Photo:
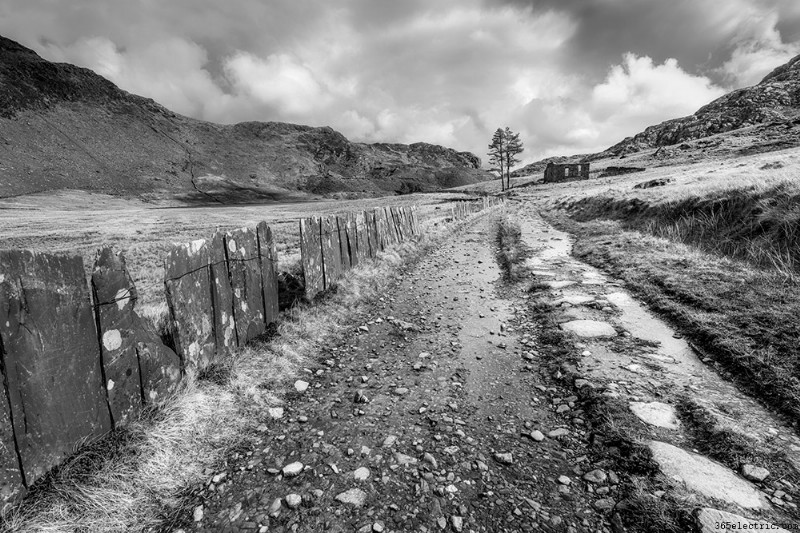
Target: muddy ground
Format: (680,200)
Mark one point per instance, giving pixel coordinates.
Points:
(458,404)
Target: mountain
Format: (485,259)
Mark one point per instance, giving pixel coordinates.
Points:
(65,127)
(774,102)
(755,119)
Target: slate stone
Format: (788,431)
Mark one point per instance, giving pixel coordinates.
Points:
(187,280)
(311,254)
(382,225)
(11,486)
(115,297)
(352,239)
(589,329)
(656,414)
(344,243)
(331,251)
(394,235)
(415,220)
(51,358)
(362,232)
(159,366)
(269,272)
(704,476)
(394,213)
(372,233)
(225,329)
(244,270)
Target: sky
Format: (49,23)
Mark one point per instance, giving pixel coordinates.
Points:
(572,76)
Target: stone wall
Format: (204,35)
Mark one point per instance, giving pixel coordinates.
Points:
(78,361)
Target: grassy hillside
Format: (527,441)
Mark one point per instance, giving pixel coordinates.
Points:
(65,127)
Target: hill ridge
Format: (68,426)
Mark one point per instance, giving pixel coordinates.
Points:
(66,127)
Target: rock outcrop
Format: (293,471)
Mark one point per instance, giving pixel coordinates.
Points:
(65,127)
(776,100)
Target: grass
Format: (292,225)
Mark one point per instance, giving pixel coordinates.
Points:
(81,223)
(511,250)
(740,315)
(137,479)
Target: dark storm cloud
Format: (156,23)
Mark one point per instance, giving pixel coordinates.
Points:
(703,35)
(571,75)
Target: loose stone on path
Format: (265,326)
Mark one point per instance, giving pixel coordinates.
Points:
(355,497)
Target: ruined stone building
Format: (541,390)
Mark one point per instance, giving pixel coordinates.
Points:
(566,172)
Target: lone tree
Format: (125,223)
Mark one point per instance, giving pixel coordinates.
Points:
(497,154)
(503,151)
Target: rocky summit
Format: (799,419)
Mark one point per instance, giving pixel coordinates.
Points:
(774,102)
(65,127)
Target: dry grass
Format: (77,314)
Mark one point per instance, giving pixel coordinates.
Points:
(742,316)
(136,483)
(82,223)
(511,250)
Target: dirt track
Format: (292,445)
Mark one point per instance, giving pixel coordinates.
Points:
(448,393)
(454,406)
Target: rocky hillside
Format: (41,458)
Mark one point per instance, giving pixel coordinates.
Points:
(774,102)
(65,127)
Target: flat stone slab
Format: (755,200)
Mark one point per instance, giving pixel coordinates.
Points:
(657,414)
(560,284)
(712,520)
(575,299)
(706,477)
(589,328)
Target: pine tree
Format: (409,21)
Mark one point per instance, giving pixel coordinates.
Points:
(497,153)
(512,148)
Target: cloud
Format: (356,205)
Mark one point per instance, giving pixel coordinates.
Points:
(759,49)
(571,75)
(638,90)
(170,71)
(278,81)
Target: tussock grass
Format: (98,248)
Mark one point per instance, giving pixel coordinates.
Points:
(761,226)
(741,316)
(511,250)
(137,482)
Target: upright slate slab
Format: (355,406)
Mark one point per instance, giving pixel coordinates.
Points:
(382,227)
(222,296)
(331,251)
(311,256)
(245,274)
(114,297)
(360,235)
(187,280)
(51,358)
(372,233)
(344,243)
(415,220)
(268,261)
(159,366)
(390,225)
(11,486)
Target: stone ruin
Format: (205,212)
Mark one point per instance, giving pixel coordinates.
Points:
(566,172)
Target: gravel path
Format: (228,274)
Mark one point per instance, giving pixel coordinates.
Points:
(431,415)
